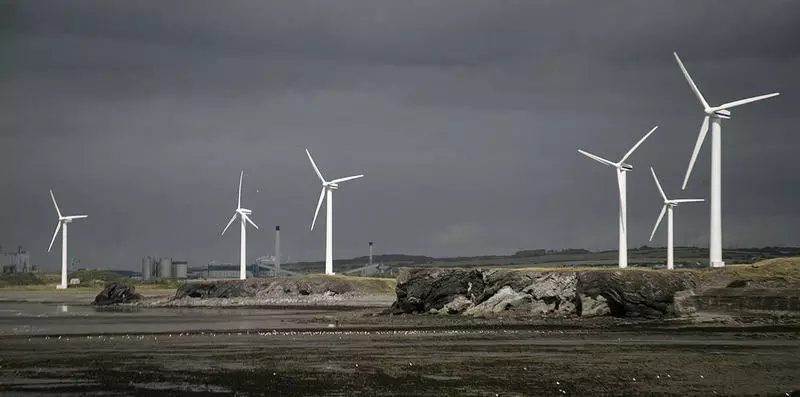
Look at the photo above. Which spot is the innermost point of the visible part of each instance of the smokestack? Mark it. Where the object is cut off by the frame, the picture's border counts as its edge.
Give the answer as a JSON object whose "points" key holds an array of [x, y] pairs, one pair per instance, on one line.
{"points": [[370, 253], [277, 251]]}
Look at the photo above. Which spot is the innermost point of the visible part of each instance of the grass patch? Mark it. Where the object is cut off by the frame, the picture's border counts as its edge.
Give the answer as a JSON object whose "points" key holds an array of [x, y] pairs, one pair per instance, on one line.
{"points": [[368, 285], [787, 269]]}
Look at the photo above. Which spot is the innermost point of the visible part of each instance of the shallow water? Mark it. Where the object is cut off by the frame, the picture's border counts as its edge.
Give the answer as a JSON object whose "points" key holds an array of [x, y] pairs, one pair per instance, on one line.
{"points": [[68, 319]]}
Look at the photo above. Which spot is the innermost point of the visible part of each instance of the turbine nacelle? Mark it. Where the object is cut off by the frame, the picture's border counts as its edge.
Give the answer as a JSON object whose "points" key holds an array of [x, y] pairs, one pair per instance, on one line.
{"points": [[69, 219], [327, 186], [621, 164], [243, 212], [671, 204], [712, 112], [719, 113], [61, 220]]}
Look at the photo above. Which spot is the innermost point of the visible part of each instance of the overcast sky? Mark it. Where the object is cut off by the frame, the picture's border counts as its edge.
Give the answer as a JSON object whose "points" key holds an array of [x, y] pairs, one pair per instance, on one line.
{"points": [[465, 117]]}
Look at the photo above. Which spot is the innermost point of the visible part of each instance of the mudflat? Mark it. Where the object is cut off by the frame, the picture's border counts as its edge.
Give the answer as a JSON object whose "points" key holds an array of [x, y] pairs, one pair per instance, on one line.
{"points": [[336, 352]]}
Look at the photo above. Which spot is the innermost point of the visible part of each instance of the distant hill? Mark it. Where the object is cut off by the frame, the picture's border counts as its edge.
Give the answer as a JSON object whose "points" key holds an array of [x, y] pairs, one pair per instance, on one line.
{"points": [[642, 256]]}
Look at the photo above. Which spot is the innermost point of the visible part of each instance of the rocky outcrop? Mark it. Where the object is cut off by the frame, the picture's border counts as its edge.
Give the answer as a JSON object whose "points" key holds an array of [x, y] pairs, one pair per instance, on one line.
{"points": [[505, 298], [421, 291], [630, 293], [116, 292], [263, 288], [219, 289]]}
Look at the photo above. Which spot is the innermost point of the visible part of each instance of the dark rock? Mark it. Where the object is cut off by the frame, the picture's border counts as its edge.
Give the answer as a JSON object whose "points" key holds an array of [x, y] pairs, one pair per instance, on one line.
{"points": [[737, 284], [505, 298], [218, 289], [420, 290], [116, 292], [630, 293], [634, 293], [324, 286], [459, 304]]}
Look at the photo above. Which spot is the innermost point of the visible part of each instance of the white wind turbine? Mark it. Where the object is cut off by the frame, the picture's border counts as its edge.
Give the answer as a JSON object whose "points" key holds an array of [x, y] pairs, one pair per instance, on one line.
{"points": [[327, 189], [622, 169], [715, 114], [669, 205], [62, 220], [243, 214]]}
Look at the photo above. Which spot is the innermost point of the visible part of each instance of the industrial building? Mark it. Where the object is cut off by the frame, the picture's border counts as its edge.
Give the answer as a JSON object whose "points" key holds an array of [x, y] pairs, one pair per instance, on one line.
{"points": [[263, 267], [217, 272], [18, 261], [371, 270], [153, 267]]}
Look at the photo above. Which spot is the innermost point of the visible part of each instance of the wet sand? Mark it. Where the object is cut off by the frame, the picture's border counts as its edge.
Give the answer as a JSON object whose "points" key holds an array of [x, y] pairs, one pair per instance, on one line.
{"points": [[338, 352], [497, 362]]}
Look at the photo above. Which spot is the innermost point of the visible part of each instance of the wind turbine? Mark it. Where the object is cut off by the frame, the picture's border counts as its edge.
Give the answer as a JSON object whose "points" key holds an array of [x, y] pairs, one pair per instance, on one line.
{"points": [[622, 169], [669, 205], [65, 221], [243, 214], [327, 189], [715, 114]]}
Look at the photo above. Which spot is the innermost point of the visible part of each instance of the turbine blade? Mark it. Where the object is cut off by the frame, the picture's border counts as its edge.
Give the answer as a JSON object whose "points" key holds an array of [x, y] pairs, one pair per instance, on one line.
{"points": [[637, 144], [239, 203], [597, 158], [691, 82], [247, 218], [697, 146], [658, 184], [688, 200], [229, 224], [319, 174], [58, 227], [319, 204], [347, 179], [54, 203], [658, 222], [748, 100], [76, 216]]}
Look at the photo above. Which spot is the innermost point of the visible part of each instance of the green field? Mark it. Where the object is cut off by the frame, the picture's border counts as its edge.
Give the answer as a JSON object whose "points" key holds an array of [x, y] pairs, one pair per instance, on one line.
{"points": [[690, 257]]}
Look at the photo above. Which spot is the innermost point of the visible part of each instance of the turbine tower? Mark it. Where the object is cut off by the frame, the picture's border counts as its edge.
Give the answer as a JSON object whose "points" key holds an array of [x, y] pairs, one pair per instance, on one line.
{"points": [[62, 221], [622, 170], [243, 214], [668, 207], [277, 261], [327, 190], [715, 115]]}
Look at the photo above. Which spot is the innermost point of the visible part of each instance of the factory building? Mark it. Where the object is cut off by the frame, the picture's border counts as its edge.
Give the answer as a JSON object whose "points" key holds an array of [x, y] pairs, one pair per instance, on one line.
{"points": [[153, 267], [214, 271], [371, 270], [269, 266], [18, 261], [264, 267]]}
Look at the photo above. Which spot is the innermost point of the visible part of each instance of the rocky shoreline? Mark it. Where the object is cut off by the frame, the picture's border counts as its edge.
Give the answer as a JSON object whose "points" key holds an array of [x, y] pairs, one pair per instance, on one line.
{"points": [[629, 293], [531, 294], [318, 291]]}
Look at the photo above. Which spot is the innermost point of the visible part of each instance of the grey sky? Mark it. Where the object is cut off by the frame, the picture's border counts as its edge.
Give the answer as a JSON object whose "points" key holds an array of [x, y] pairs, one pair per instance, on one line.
{"points": [[465, 117]]}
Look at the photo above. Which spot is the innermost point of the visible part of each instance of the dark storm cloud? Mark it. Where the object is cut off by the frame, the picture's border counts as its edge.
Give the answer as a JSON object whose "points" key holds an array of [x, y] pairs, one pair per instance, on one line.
{"points": [[464, 115]]}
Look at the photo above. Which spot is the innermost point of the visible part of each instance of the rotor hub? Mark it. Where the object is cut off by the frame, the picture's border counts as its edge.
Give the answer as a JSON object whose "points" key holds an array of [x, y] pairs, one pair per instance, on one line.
{"points": [[719, 113]]}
